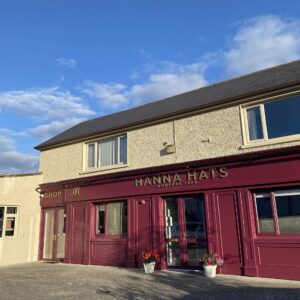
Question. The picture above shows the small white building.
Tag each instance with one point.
(19, 218)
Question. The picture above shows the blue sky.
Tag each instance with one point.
(64, 61)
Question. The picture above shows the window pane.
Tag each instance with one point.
(10, 226)
(194, 218)
(11, 210)
(288, 210)
(254, 123)
(1, 220)
(91, 155)
(282, 117)
(117, 218)
(172, 225)
(101, 219)
(123, 149)
(264, 213)
(108, 152)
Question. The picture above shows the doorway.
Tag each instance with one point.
(54, 234)
(186, 239)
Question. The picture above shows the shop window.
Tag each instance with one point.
(107, 152)
(264, 213)
(8, 219)
(273, 120)
(278, 212)
(111, 218)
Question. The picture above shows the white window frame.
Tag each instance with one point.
(265, 140)
(96, 142)
(6, 216)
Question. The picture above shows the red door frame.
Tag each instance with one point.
(182, 239)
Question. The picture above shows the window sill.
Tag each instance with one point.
(99, 170)
(8, 238)
(276, 141)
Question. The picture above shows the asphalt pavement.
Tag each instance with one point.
(45, 281)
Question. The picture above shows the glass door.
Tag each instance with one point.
(54, 234)
(185, 231)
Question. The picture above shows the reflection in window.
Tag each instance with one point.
(264, 213)
(254, 123)
(194, 218)
(172, 225)
(288, 211)
(112, 218)
(279, 118)
(173, 254)
(282, 117)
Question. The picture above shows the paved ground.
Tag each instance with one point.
(61, 281)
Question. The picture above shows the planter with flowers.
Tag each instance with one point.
(149, 259)
(210, 262)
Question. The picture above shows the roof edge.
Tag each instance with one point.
(178, 113)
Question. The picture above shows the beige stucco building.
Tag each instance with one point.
(203, 134)
(19, 218)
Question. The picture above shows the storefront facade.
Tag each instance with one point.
(216, 169)
(244, 207)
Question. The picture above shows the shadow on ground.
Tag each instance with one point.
(60, 281)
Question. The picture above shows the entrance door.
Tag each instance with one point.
(185, 231)
(143, 215)
(229, 233)
(54, 234)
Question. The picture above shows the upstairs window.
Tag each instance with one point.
(278, 212)
(107, 152)
(271, 120)
(8, 220)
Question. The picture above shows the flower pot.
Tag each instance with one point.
(149, 268)
(210, 271)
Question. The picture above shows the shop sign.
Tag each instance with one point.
(53, 194)
(175, 179)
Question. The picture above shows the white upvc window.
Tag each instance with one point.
(8, 221)
(276, 120)
(107, 152)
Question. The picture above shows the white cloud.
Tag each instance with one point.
(6, 144)
(263, 42)
(109, 95)
(47, 131)
(12, 161)
(16, 162)
(44, 104)
(172, 79)
(66, 62)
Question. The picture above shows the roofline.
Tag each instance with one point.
(237, 158)
(20, 174)
(177, 114)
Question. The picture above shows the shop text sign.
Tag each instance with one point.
(74, 192)
(175, 179)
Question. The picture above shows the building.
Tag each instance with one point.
(19, 218)
(215, 169)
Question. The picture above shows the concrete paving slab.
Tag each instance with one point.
(46, 281)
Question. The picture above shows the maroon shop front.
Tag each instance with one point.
(246, 208)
